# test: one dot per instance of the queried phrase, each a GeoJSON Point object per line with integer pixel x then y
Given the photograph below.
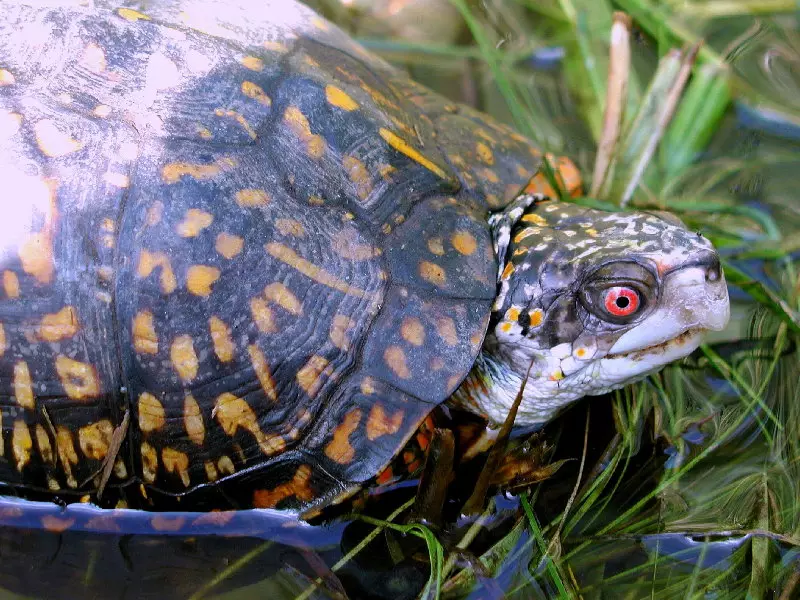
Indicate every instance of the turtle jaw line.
{"type": "Point", "coordinates": [679, 340]}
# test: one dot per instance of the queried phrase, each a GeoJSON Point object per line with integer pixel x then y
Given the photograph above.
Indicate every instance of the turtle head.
{"type": "Point", "coordinates": [595, 300]}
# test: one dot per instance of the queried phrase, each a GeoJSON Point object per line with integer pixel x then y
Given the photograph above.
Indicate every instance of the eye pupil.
{"type": "Point", "coordinates": [622, 302]}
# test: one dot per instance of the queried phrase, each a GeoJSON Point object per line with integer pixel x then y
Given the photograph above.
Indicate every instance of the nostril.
{"type": "Point", "coordinates": [713, 270]}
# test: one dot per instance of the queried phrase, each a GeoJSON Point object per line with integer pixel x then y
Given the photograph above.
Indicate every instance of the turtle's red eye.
{"type": "Point", "coordinates": [621, 301]}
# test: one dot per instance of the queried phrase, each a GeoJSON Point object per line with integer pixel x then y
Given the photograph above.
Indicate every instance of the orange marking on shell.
{"type": "Point", "coordinates": [539, 184]}
{"type": "Point", "coordinates": [446, 328]}
{"type": "Point", "coordinates": [405, 148]}
{"type": "Point", "coordinates": [238, 118]}
{"type": "Point", "coordinates": [228, 245]}
{"type": "Point", "coordinates": [11, 284]}
{"type": "Point", "coordinates": [224, 347]}
{"type": "Point", "coordinates": [232, 413]}
{"type": "Point", "coordinates": [184, 358]}
{"type": "Point", "coordinates": [43, 443]}
{"type": "Point", "coordinates": [173, 172]}
{"type": "Point", "coordinates": [21, 443]}
{"type": "Point", "coordinates": [436, 246]}
{"type": "Point", "coordinates": [489, 175]}
{"type": "Point", "coordinates": [145, 339]}
{"type": "Point", "coordinates": [309, 376]}
{"type": "Point", "coordinates": [291, 227]}
{"type": "Point", "coordinates": [78, 378]}
{"type": "Point", "coordinates": [346, 244]}
{"type": "Point", "coordinates": [152, 416]}
{"type": "Point", "coordinates": [200, 278]}
{"type": "Point", "coordinates": [298, 123]}
{"type": "Point", "coordinates": [310, 270]}
{"type": "Point", "coordinates": [432, 273]}
{"type": "Point", "coordinates": [262, 315]}
{"type": "Point", "coordinates": [225, 466]}
{"type": "Point", "coordinates": [23, 386]}
{"type": "Point", "coordinates": [339, 449]}
{"type": "Point", "coordinates": [298, 487]}
{"type": "Point", "coordinates": [412, 331]}
{"type": "Point", "coordinates": [154, 214]}
{"type": "Point", "coordinates": [194, 221]}
{"type": "Point", "coordinates": [262, 371]}
{"type": "Point", "coordinates": [367, 386]}
{"type": "Point", "coordinates": [256, 92]}
{"type": "Point", "coordinates": [211, 470]}
{"type": "Point", "coordinates": [464, 242]}
{"type": "Point", "coordinates": [162, 522]}
{"type": "Point", "coordinates": [253, 63]}
{"type": "Point", "coordinates": [339, 98]}
{"type": "Point", "coordinates": [132, 15]}
{"type": "Point", "coordinates": [7, 77]}
{"type": "Point", "coordinates": [252, 197]}
{"type": "Point", "coordinates": [149, 462]}
{"type": "Point", "coordinates": [380, 424]}
{"type": "Point", "coordinates": [36, 256]}
{"type": "Point", "coordinates": [55, 524]}
{"type": "Point", "coordinates": [193, 420]}
{"type": "Point", "coordinates": [59, 326]}
{"type": "Point", "coordinates": [484, 153]}
{"type": "Point", "coordinates": [358, 175]}
{"type": "Point", "coordinates": [10, 123]}
{"type": "Point", "coordinates": [66, 454]}
{"type": "Point", "coordinates": [95, 439]}
{"type": "Point", "coordinates": [52, 141]}
{"type": "Point", "coordinates": [177, 462]}
{"type": "Point", "coordinates": [150, 261]}
{"type": "Point", "coordinates": [395, 359]}
{"type": "Point", "coordinates": [385, 477]}
{"type": "Point", "coordinates": [283, 297]}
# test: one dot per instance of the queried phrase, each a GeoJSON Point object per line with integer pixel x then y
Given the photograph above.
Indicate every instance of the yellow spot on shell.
{"type": "Point", "coordinates": [79, 379]}
{"type": "Point", "coordinates": [43, 443]}
{"type": "Point", "coordinates": [3, 342]}
{"type": "Point", "coordinates": [23, 386]}
{"type": "Point", "coordinates": [149, 462]}
{"type": "Point", "coordinates": [11, 284]}
{"type": "Point", "coordinates": [194, 221]}
{"type": "Point", "coordinates": [232, 413]}
{"type": "Point", "coordinates": [358, 175]}
{"type": "Point", "coordinates": [221, 338]}
{"type": "Point", "coordinates": [435, 246]}
{"type": "Point", "coordinates": [262, 315]}
{"type": "Point", "coordinates": [297, 487]}
{"type": "Point", "coordinates": [256, 92]}
{"type": "Point", "coordinates": [59, 326]}
{"type": "Point", "coordinates": [446, 328]}
{"type": "Point", "coordinates": [253, 63]}
{"type": "Point", "coordinates": [347, 245]}
{"type": "Point", "coordinates": [405, 148]}
{"type": "Point", "coordinates": [239, 118]}
{"type": "Point", "coordinates": [261, 369]}
{"type": "Point", "coordinates": [200, 278]}
{"type": "Point", "coordinates": [298, 123]}
{"type": "Point", "coordinates": [211, 470]}
{"type": "Point", "coordinates": [309, 376]}
{"type": "Point", "coordinates": [36, 256]}
{"type": "Point", "coordinates": [340, 99]}
{"type": "Point", "coordinates": [484, 153]}
{"type": "Point", "coordinates": [21, 443]}
{"type": "Point", "coordinates": [367, 386]}
{"type": "Point", "coordinates": [184, 358]}
{"type": "Point", "coordinates": [94, 58]}
{"type": "Point", "coordinates": [172, 172]}
{"type": "Point", "coordinates": [151, 413]}
{"type": "Point", "coordinates": [66, 454]}
{"type": "Point", "coordinates": [176, 462]}
{"type": "Point", "coordinates": [290, 227]}
{"type": "Point", "coordinates": [7, 77]}
{"type": "Point", "coordinates": [228, 245]}
{"type": "Point", "coordinates": [283, 297]}
{"type": "Point", "coordinates": [132, 15]}
{"type": "Point", "coordinates": [339, 449]}
{"type": "Point", "coordinates": [341, 326]}
{"type": "Point", "coordinates": [380, 424]}
{"type": "Point", "coordinates": [275, 46]}
{"type": "Point", "coordinates": [413, 331]}
{"type": "Point", "coordinates": [395, 359]}
{"type": "Point", "coordinates": [119, 180]}
{"type": "Point", "coordinates": [95, 439]}
{"type": "Point", "coordinates": [54, 142]}
{"type": "Point", "coordinates": [464, 242]}
{"type": "Point", "coordinates": [310, 270]}
{"type": "Point", "coordinates": [432, 273]}
{"type": "Point", "coordinates": [250, 197]}
{"type": "Point", "coordinates": [143, 330]}
{"type": "Point", "coordinates": [193, 420]}
{"type": "Point", "coordinates": [149, 261]}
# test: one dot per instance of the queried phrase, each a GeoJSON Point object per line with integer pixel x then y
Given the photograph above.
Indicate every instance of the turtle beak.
{"type": "Point", "coordinates": [694, 298]}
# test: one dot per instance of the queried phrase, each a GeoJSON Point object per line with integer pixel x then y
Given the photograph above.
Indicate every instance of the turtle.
{"type": "Point", "coordinates": [243, 259]}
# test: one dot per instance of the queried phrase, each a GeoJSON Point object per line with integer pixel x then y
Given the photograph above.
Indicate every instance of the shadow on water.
{"type": "Point", "coordinates": [692, 502]}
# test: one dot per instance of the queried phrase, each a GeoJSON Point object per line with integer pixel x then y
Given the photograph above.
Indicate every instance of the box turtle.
{"type": "Point", "coordinates": [243, 258]}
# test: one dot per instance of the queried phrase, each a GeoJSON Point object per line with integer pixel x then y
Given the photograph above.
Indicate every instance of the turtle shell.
{"type": "Point", "coordinates": [242, 258]}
